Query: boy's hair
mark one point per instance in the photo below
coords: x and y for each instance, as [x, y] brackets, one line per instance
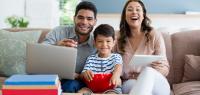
[105, 30]
[86, 5]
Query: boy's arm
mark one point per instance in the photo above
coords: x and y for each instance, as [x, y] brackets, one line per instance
[117, 70]
[115, 79]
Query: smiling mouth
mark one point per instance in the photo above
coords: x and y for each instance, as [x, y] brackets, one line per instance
[134, 18]
[104, 48]
[83, 28]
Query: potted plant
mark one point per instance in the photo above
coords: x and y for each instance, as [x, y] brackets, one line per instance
[16, 21]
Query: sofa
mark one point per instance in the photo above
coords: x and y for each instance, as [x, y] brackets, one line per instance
[183, 54]
[4, 73]
[182, 48]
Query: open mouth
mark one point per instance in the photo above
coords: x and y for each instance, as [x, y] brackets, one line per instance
[134, 18]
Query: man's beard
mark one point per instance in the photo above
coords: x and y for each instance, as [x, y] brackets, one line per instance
[81, 33]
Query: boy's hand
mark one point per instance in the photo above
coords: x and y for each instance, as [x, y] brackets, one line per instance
[115, 80]
[76, 76]
[88, 75]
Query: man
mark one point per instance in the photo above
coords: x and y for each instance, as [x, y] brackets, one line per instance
[76, 36]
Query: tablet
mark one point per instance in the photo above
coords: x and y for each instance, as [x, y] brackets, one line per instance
[144, 60]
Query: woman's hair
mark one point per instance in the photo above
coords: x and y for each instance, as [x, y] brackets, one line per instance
[125, 29]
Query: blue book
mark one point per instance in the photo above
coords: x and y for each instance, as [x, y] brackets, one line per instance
[32, 80]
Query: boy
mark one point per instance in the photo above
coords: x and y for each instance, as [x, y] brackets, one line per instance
[104, 61]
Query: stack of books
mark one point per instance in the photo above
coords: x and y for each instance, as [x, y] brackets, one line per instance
[32, 85]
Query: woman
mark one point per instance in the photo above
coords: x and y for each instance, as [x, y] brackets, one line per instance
[136, 36]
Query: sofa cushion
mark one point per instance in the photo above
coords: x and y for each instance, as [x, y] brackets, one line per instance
[187, 88]
[186, 42]
[13, 50]
[191, 68]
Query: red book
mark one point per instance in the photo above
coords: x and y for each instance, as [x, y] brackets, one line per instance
[30, 92]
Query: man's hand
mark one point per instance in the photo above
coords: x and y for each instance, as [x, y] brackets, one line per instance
[67, 43]
[88, 75]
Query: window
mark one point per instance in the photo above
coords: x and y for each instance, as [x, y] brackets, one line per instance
[67, 9]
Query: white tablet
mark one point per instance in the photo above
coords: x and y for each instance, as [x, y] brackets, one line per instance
[143, 60]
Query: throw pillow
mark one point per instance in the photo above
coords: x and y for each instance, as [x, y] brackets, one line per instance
[191, 68]
[13, 50]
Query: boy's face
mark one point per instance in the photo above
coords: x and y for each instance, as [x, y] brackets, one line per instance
[104, 45]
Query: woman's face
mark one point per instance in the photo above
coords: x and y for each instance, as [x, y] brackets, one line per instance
[134, 14]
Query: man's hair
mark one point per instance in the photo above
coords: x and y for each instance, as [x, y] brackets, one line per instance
[105, 30]
[87, 6]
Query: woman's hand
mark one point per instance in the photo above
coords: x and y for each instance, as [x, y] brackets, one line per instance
[67, 43]
[134, 75]
[88, 75]
[161, 67]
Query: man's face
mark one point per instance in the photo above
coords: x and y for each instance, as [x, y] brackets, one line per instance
[84, 22]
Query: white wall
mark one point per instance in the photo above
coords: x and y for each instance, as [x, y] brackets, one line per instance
[8, 8]
[45, 14]
[41, 13]
[174, 22]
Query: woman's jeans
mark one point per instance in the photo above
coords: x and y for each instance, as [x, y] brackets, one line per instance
[149, 82]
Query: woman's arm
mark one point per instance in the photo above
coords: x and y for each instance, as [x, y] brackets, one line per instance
[161, 66]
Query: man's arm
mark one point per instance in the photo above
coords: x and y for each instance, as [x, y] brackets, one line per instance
[58, 37]
[50, 38]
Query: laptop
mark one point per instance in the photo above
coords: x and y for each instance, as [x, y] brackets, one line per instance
[50, 59]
